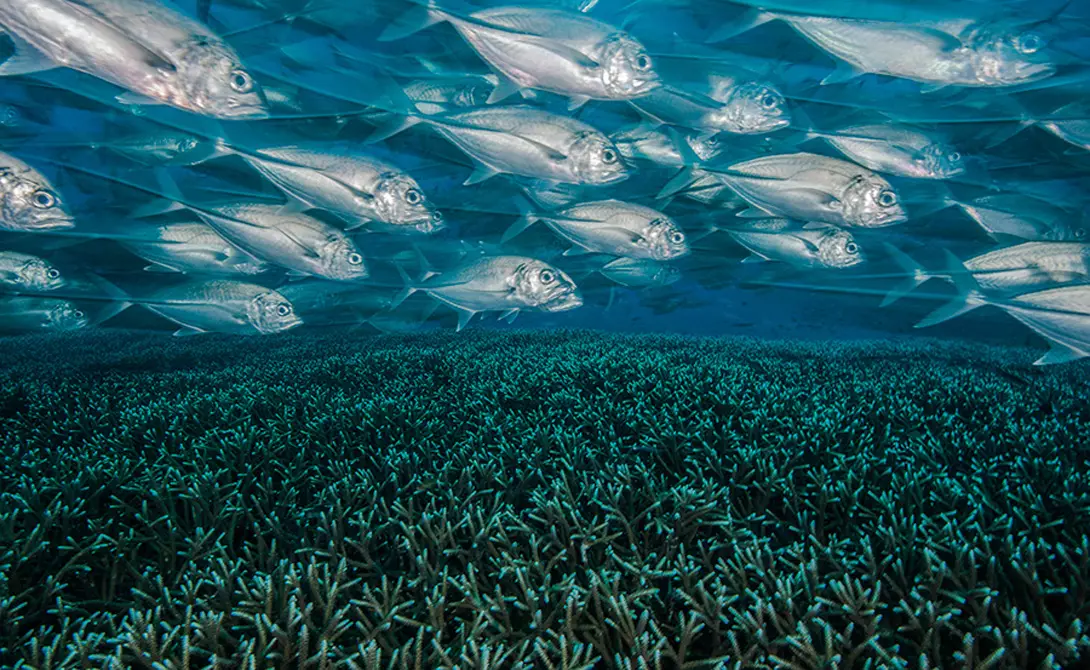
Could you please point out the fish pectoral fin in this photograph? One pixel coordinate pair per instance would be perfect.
(188, 331)
(685, 178)
(817, 225)
(843, 73)
(577, 101)
(752, 213)
(754, 258)
(357, 224)
(1059, 353)
(161, 269)
(25, 58)
(807, 244)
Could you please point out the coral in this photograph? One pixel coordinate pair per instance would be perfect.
(552, 500)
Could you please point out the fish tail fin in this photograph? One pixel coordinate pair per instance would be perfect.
(968, 298)
(413, 21)
(529, 217)
(748, 21)
(389, 127)
(407, 290)
(171, 199)
(915, 275)
(119, 299)
(685, 178)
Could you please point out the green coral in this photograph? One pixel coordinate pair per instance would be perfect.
(539, 500)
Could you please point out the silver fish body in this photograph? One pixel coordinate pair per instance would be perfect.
(140, 45)
(743, 109)
(1060, 315)
(1030, 266)
(560, 51)
(897, 151)
(224, 306)
(813, 246)
(532, 142)
(438, 95)
(195, 248)
(1024, 217)
(28, 201)
(357, 187)
(24, 272)
(504, 283)
(810, 187)
(656, 145)
(29, 314)
(640, 272)
(620, 229)
(292, 240)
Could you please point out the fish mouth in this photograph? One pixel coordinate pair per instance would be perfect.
(51, 224)
(254, 112)
(614, 178)
(565, 303)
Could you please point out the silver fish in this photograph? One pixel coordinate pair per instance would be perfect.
(661, 147)
(443, 94)
(26, 314)
(1010, 215)
(955, 54)
(640, 272)
(814, 245)
(744, 109)
(349, 183)
(554, 50)
(292, 240)
(162, 148)
(194, 248)
(897, 150)
(529, 142)
(810, 187)
(140, 45)
(28, 201)
(1060, 315)
(28, 273)
(224, 306)
(613, 227)
(502, 283)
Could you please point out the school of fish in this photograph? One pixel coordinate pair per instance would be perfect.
(254, 166)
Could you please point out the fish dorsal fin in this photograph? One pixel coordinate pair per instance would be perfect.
(25, 59)
(152, 57)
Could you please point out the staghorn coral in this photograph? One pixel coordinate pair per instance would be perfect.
(553, 500)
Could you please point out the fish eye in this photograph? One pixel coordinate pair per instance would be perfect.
(355, 259)
(1079, 233)
(712, 141)
(283, 309)
(43, 199)
(78, 314)
(437, 216)
(413, 197)
(547, 276)
(769, 101)
(241, 81)
(954, 157)
(643, 62)
(188, 144)
(1030, 43)
(677, 237)
(887, 198)
(54, 273)
(851, 247)
(609, 156)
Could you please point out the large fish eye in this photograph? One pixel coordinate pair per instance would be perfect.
(283, 309)
(954, 157)
(1030, 43)
(643, 62)
(43, 199)
(677, 237)
(1079, 233)
(851, 247)
(609, 156)
(78, 314)
(188, 144)
(355, 259)
(413, 197)
(887, 198)
(241, 81)
(712, 141)
(54, 274)
(769, 101)
(547, 276)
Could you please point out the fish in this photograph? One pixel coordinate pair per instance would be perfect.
(657, 145)
(505, 283)
(1002, 272)
(28, 201)
(640, 273)
(946, 53)
(443, 94)
(1060, 315)
(29, 314)
(25, 272)
(223, 306)
(802, 245)
(814, 188)
(156, 53)
(193, 248)
(544, 48)
(612, 227)
(526, 141)
(896, 150)
(1015, 216)
(747, 108)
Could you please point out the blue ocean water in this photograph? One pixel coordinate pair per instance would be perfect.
(551, 334)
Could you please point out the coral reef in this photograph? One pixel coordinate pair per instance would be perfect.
(552, 500)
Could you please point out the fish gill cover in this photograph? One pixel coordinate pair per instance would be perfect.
(836, 172)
